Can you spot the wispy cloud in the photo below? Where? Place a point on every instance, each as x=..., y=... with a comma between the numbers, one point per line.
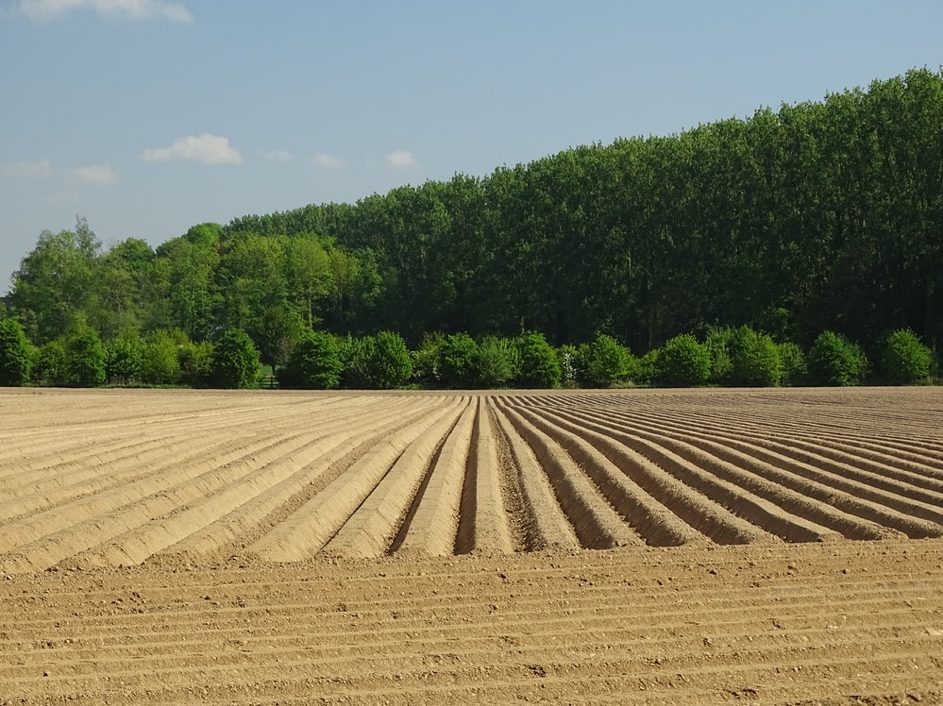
x=205, y=148
x=40, y=10
x=276, y=155
x=37, y=169
x=96, y=174
x=328, y=161
x=401, y=159
x=44, y=169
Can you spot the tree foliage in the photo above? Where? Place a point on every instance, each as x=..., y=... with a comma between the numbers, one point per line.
x=236, y=361
x=84, y=357
x=605, y=362
x=16, y=354
x=315, y=363
x=834, y=360
x=816, y=216
x=683, y=362
x=540, y=367
x=905, y=360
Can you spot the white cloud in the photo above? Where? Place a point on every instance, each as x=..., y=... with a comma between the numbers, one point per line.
x=401, y=159
x=276, y=155
x=328, y=161
x=40, y=10
x=96, y=174
x=38, y=169
x=205, y=148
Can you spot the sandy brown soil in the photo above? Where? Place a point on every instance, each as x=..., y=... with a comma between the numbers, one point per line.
x=754, y=547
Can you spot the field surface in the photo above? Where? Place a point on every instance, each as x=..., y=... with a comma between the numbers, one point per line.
x=774, y=546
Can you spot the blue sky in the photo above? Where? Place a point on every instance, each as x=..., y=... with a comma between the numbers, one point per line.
x=147, y=116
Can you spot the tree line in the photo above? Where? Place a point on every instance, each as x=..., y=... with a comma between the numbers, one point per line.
x=319, y=360
x=821, y=216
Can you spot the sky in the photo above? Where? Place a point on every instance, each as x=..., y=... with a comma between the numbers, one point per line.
x=149, y=116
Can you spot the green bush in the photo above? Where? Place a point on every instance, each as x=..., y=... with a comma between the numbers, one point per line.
x=754, y=359
x=683, y=362
x=540, y=367
x=834, y=360
x=793, y=363
x=572, y=366
x=196, y=363
x=50, y=367
x=314, y=364
x=391, y=366
x=496, y=363
x=426, y=359
x=606, y=361
x=160, y=359
x=84, y=357
x=458, y=356
x=16, y=354
x=646, y=368
x=718, y=344
x=380, y=362
x=905, y=360
x=236, y=361
x=123, y=358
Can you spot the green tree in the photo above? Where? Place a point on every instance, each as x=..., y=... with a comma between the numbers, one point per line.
x=427, y=364
x=606, y=362
x=84, y=357
x=160, y=363
x=540, y=367
x=683, y=362
x=834, y=360
x=795, y=368
x=755, y=359
x=905, y=360
x=391, y=366
x=123, y=358
x=315, y=363
x=50, y=366
x=497, y=362
x=458, y=355
x=16, y=354
x=196, y=362
x=236, y=361
x=55, y=281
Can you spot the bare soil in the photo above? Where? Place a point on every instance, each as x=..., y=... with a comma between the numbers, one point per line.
x=651, y=547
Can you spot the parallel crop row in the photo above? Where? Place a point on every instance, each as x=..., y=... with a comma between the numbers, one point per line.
x=370, y=475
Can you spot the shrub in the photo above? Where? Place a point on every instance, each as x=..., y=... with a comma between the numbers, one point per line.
x=572, y=365
x=646, y=368
x=718, y=343
x=793, y=363
x=236, y=361
x=160, y=359
x=426, y=359
x=683, y=362
x=376, y=362
x=606, y=361
x=905, y=360
x=314, y=364
x=834, y=360
x=496, y=363
x=540, y=367
x=754, y=359
x=50, y=366
x=391, y=366
x=16, y=354
x=196, y=363
x=84, y=357
x=458, y=357
x=123, y=358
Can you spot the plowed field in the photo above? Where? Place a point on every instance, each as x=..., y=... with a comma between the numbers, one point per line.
x=759, y=547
